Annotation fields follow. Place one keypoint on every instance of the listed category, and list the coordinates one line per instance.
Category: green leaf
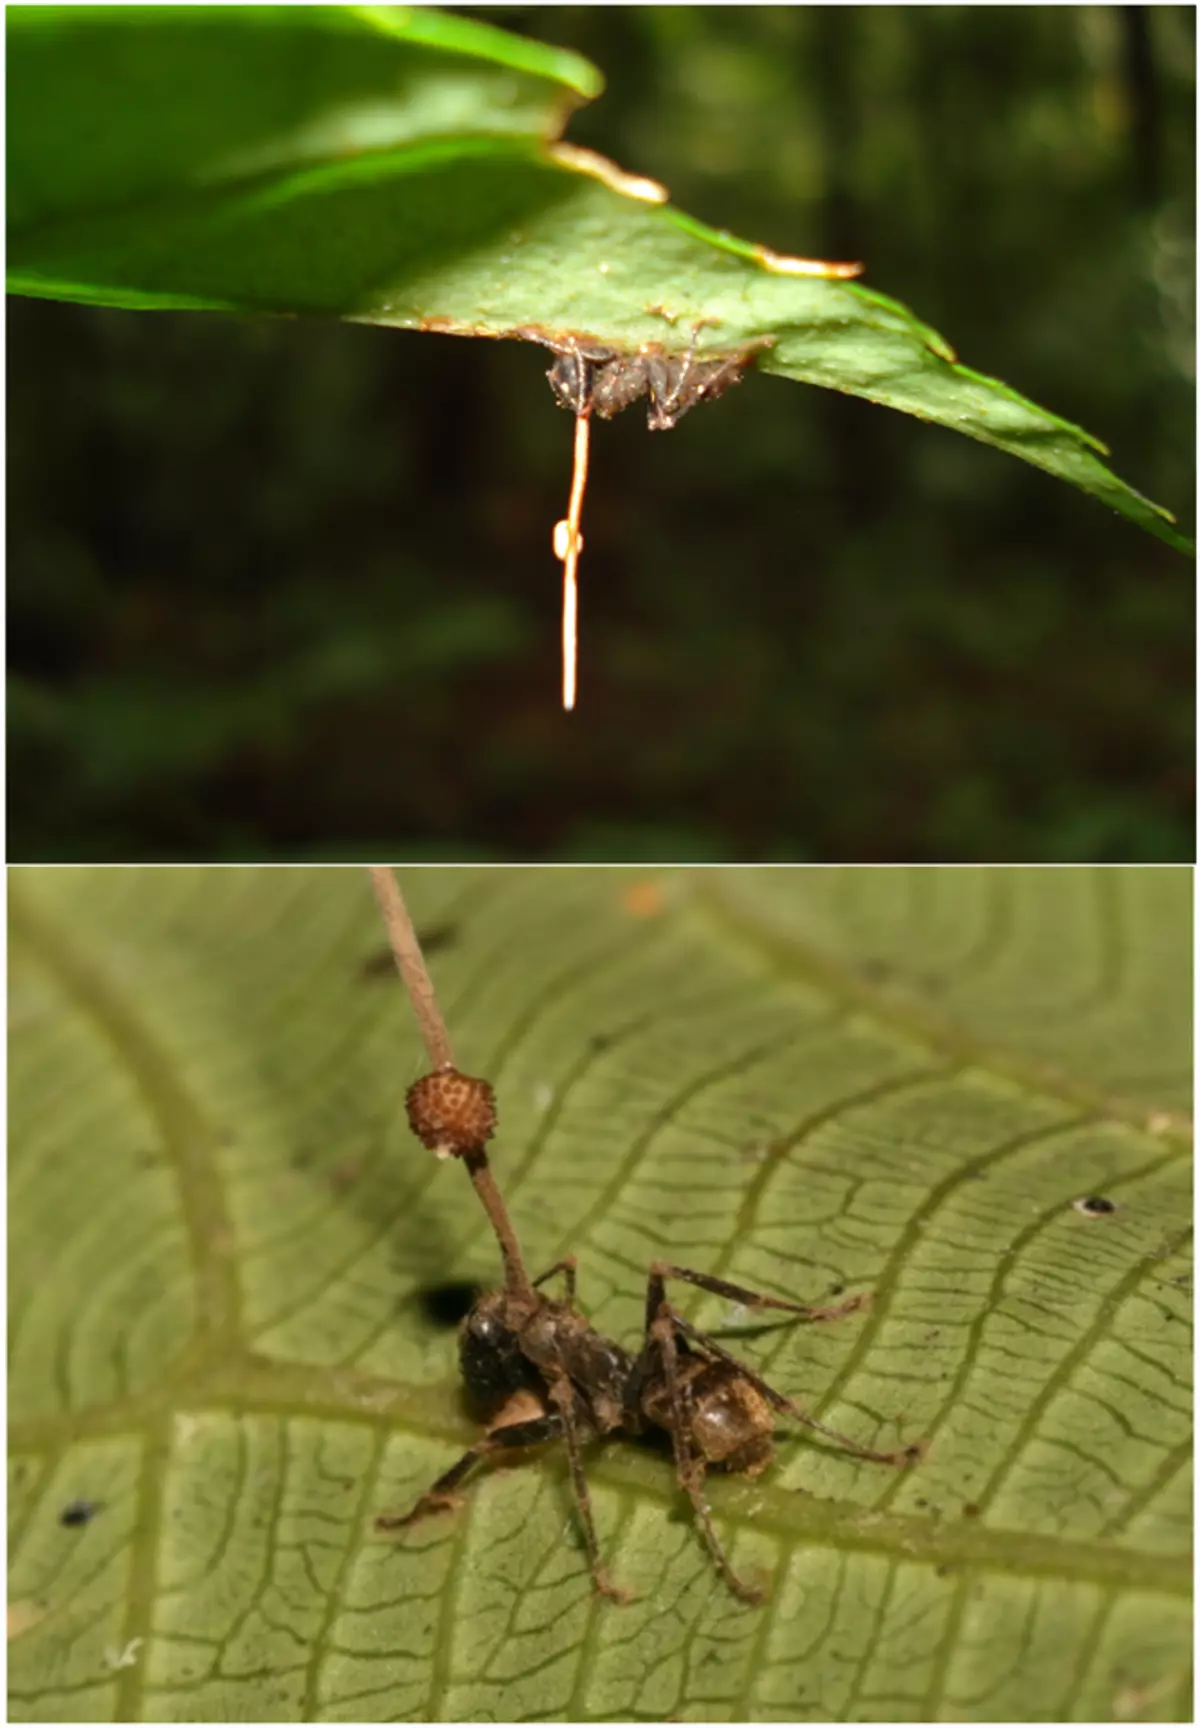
(880, 1080)
(397, 166)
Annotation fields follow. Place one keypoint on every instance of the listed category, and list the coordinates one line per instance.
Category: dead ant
(535, 1369)
(589, 378)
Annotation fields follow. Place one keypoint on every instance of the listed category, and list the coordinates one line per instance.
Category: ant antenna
(568, 544)
(451, 1113)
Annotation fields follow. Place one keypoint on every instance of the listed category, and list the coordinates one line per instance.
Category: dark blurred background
(285, 590)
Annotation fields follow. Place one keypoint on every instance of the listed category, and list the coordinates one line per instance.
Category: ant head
(570, 380)
(493, 1364)
(573, 374)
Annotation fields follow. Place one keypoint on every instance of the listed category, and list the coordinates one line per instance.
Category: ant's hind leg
(441, 1496)
(755, 1298)
(903, 1455)
(688, 1467)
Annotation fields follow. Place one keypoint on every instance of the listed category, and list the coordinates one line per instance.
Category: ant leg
(904, 1455)
(567, 1267)
(562, 1394)
(719, 381)
(661, 399)
(754, 1298)
(441, 1496)
(688, 1467)
(690, 356)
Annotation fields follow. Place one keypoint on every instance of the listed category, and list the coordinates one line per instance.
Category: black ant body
(590, 378)
(535, 1369)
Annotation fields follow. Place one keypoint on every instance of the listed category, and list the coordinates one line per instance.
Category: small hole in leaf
(1095, 1206)
(77, 1513)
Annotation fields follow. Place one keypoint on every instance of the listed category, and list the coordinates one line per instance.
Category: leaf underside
(398, 167)
(898, 1082)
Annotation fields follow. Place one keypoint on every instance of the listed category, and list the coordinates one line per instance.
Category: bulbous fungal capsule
(451, 1113)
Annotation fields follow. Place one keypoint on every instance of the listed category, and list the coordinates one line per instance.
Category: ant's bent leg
(441, 1496)
(755, 1298)
(562, 1394)
(688, 1467)
(567, 1267)
(903, 1455)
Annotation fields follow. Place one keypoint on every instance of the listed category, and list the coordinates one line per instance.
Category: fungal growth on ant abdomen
(535, 1369)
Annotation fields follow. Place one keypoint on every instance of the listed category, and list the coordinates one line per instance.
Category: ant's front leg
(668, 398)
(754, 1298)
(441, 1496)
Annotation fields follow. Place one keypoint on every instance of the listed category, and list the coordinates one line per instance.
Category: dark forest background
(285, 589)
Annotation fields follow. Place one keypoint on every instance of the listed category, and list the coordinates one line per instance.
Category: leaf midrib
(252, 1386)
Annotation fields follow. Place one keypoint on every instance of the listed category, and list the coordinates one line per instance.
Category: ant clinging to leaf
(536, 1370)
(589, 376)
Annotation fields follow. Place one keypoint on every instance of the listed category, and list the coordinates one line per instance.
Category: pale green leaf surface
(397, 166)
(888, 1081)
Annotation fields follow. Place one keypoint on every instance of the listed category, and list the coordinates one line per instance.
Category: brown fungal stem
(410, 961)
(406, 950)
(516, 1277)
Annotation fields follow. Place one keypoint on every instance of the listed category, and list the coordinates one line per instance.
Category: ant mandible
(535, 1369)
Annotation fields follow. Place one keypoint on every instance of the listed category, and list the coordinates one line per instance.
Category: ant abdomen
(730, 1423)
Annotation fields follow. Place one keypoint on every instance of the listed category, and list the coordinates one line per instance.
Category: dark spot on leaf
(836, 1289)
(1095, 1206)
(382, 964)
(971, 1510)
(346, 1174)
(76, 1513)
(600, 1041)
(440, 937)
(944, 1571)
(873, 971)
(447, 1304)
